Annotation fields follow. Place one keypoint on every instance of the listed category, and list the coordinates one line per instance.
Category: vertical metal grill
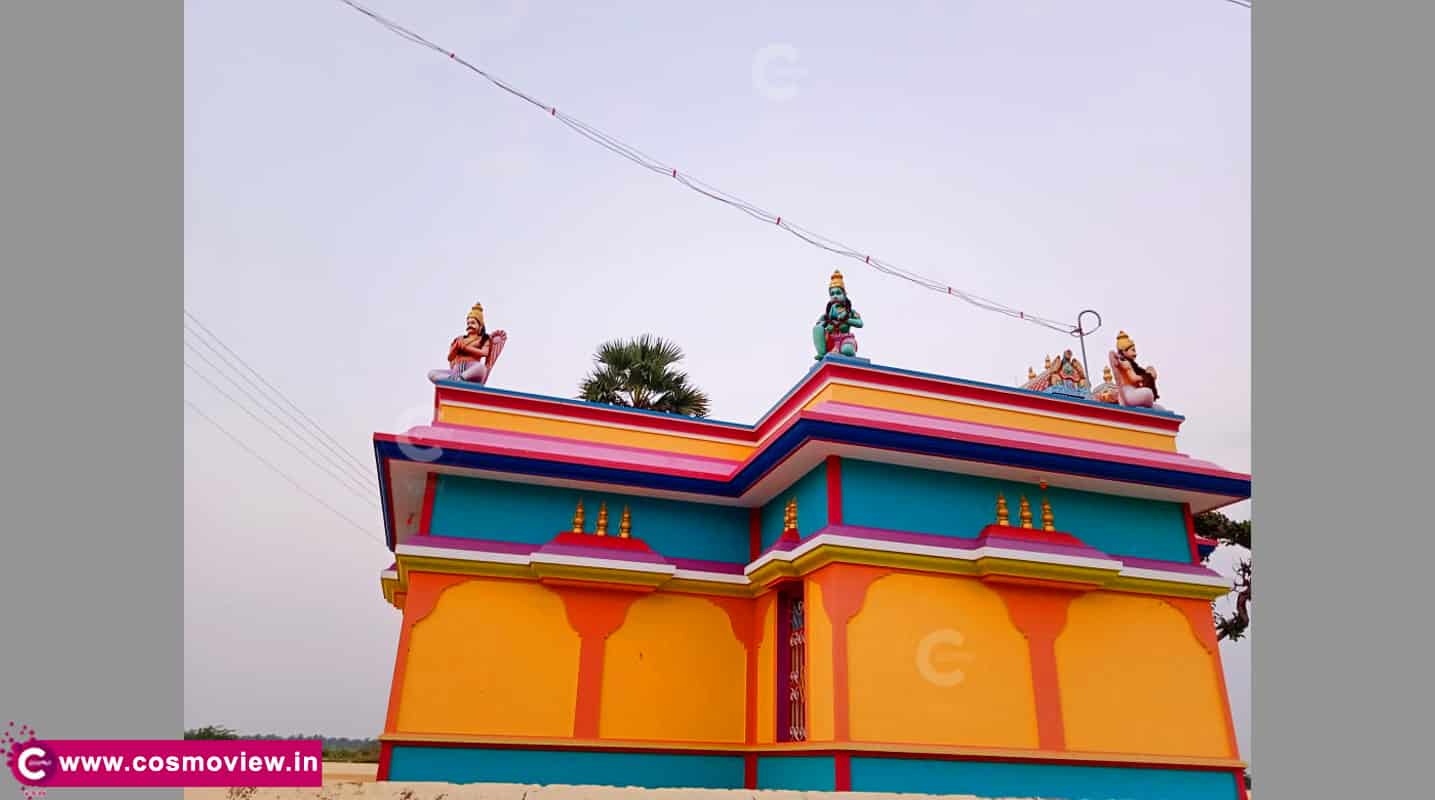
(797, 675)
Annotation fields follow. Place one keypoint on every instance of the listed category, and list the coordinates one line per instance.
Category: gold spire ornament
(1046, 366)
(1003, 518)
(603, 518)
(1106, 374)
(1048, 521)
(1123, 342)
(1025, 512)
(837, 281)
(625, 525)
(578, 517)
(1030, 374)
(789, 516)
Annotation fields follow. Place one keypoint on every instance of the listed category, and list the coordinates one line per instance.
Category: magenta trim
(476, 545)
(1014, 543)
(1169, 566)
(603, 553)
(724, 567)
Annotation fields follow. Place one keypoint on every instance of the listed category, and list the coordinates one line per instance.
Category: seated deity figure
(471, 356)
(1135, 385)
(833, 331)
(1070, 373)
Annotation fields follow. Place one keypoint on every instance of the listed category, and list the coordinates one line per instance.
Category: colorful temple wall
(942, 651)
(476, 508)
(495, 657)
(810, 492)
(1143, 675)
(675, 671)
(948, 504)
(937, 660)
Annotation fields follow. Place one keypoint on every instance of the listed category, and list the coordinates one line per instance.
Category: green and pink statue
(833, 331)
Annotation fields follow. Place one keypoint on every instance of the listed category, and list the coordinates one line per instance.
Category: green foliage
(1226, 531)
(1218, 526)
(336, 748)
(211, 732)
(640, 373)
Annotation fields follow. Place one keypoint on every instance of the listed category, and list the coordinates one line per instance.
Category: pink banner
(167, 763)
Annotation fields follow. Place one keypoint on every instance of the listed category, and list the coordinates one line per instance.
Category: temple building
(893, 581)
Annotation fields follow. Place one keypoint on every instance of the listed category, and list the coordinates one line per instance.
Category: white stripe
(602, 563)
(711, 577)
(1174, 577)
(986, 551)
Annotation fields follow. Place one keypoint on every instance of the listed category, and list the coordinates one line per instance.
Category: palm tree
(639, 373)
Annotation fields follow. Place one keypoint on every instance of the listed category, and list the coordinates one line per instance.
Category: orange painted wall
(674, 671)
(493, 657)
(767, 671)
(1135, 679)
(937, 660)
(820, 695)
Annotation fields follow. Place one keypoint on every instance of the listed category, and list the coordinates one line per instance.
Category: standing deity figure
(833, 331)
(1135, 385)
(471, 356)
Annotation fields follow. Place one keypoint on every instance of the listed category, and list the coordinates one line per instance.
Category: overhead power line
(358, 491)
(654, 165)
(281, 473)
(359, 477)
(304, 420)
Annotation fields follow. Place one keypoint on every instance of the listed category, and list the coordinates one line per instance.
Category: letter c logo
(927, 657)
(23, 763)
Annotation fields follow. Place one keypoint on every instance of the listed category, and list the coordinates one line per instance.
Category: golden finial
(1048, 521)
(1106, 374)
(578, 517)
(1025, 512)
(789, 516)
(603, 518)
(625, 525)
(1030, 374)
(1003, 518)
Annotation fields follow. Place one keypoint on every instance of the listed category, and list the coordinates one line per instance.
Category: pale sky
(350, 195)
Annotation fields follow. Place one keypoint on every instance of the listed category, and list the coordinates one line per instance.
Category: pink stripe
(1012, 437)
(566, 450)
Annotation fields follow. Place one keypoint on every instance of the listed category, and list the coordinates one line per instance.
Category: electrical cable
(640, 158)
